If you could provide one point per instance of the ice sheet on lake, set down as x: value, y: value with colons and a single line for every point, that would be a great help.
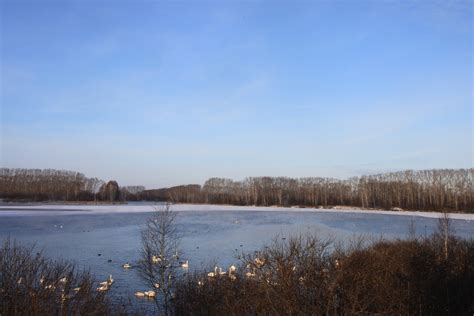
x: 67, y: 209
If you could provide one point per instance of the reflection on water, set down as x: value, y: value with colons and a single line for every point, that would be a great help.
x: 208, y: 237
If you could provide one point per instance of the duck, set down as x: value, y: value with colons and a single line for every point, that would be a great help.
x: 127, y: 266
x: 185, y: 264
x: 139, y: 294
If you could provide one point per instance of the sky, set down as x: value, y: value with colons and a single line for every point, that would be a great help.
x: 163, y: 93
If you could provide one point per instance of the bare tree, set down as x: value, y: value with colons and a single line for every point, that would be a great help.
x: 160, y: 256
x: 433, y: 190
x: 445, y: 231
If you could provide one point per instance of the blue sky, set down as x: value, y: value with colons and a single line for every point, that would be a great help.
x: 164, y: 93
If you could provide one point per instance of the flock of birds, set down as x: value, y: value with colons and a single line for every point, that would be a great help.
x: 155, y: 260
x: 231, y: 273
x: 217, y: 272
x: 106, y: 285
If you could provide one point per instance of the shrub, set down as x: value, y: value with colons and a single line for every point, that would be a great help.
x: 31, y: 284
x: 308, y: 276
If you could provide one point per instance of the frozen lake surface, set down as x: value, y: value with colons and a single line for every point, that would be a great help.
x: 210, y: 234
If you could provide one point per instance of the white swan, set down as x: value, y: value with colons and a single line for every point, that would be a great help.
x: 214, y: 273
x: 139, y: 294
x: 259, y: 262
x: 232, y: 269
x: 250, y: 275
x: 110, y: 280
x: 103, y: 288
x: 185, y: 264
x: 150, y: 293
x: 217, y: 271
x: 127, y: 266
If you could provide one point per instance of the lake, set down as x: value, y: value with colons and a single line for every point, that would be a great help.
x: 210, y: 234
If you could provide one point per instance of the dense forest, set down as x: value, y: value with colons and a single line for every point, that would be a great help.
x: 436, y: 190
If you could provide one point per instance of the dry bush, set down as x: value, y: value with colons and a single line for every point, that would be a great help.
x: 31, y: 284
x: 308, y: 276
x: 288, y: 277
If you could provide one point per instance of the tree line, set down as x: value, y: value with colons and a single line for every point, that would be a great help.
x: 436, y: 189
x: 60, y: 185
x: 429, y: 190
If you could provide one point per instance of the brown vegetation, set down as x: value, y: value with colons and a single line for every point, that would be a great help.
x: 30, y: 284
x: 304, y: 276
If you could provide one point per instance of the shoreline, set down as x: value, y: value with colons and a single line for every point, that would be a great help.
x: 77, y: 208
